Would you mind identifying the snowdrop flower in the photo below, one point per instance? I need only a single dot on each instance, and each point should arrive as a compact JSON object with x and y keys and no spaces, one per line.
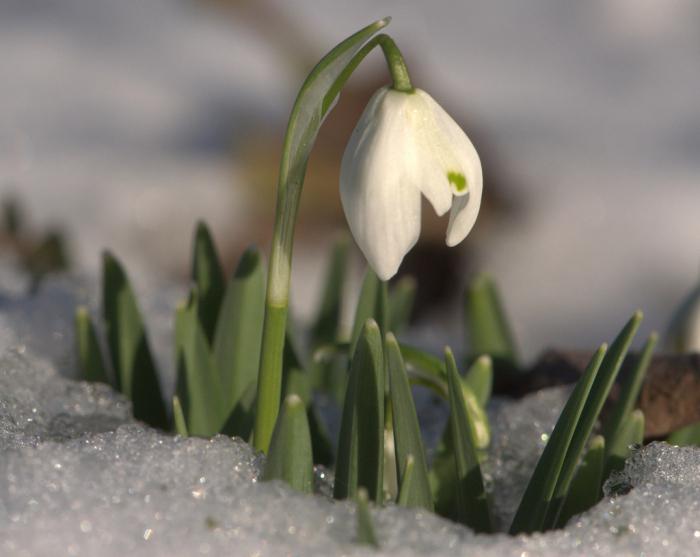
{"x":406,"y":145}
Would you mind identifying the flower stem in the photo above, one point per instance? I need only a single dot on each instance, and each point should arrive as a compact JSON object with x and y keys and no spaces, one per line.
{"x":291,"y":180}
{"x":396,"y":63}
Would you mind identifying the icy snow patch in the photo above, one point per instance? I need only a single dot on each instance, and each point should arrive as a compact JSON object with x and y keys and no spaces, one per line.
{"x":79,"y":477}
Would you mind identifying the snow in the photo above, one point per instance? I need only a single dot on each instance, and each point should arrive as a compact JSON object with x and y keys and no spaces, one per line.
{"x":117,"y":120}
{"x":78,"y":476}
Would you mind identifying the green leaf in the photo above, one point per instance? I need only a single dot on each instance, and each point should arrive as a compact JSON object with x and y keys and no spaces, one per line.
{"x":135,"y":371}
{"x":240,"y":421}
{"x":316,"y":98}
{"x":473,"y":505}
{"x":365,"y":529}
{"x":425,"y":369}
{"x":630,"y":433}
{"x":372,"y":304}
{"x":360,"y":460}
{"x":609,"y":369}
{"x":488,"y":328}
{"x":479,"y":379}
{"x":443,"y":477}
{"x":532,"y":512}
{"x":629,"y":393}
{"x":443,"y":474}
{"x":328,"y":371}
{"x":686,"y":436}
{"x":239,"y":328}
{"x":407,"y":490}
{"x":401,"y":299}
{"x":329,"y":374}
{"x":407,"y":435}
{"x":296,"y":381}
{"x":91,"y":366}
{"x":198,"y":384}
{"x":179,"y":418}
{"x":587,"y":483}
{"x":326,"y":326}
{"x":428,"y":371}
{"x":208,"y":276}
{"x":289,"y":458}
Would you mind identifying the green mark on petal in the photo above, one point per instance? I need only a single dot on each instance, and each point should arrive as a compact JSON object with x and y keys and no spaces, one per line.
{"x":458,"y":180}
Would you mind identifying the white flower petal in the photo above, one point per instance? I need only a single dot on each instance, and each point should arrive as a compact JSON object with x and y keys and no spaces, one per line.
{"x":454,"y":149}
{"x":428,"y":168}
{"x":405,"y":144}
{"x":381,"y":204}
{"x":463,"y":215}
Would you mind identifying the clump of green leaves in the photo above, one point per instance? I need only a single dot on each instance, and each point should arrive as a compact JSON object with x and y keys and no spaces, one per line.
{"x":371,"y":374}
{"x":231,"y":342}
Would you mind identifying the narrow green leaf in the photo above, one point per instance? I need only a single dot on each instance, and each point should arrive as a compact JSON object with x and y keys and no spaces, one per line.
{"x":326,"y":326}
{"x":473,"y":504}
{"x":289,"y":458}
{"x":91,"y":366}
{"x":443,"y":477}
{"x":686,"y":436}
{"x":208,"y":276}
{"x":534,"y":506}
{"x":198,"y":383}
{"x":360,"y":461}
{"x":587,"y":483}
{"x":407,"y":490}
{"x":365,"y":529}
{"x":425,"y":369}
{"x":401,"y":299}
{"x":329,"y":374}
{"x":239,"y":328}
{"x":296,"y":381}
{"x":630,"y":433}
{"x":428,"y":371}
{"x":135,"y":370}
{"x":240,"y":421}
{"x":629,"y":393}
{"x":479,"y":379}
{"x":609,"y":369}
{"x":372,"y":304}
{"x":316,"y":98}
{"x":179,"y":418}
{"x":328,"y":371}
{"x":488,"y":328}
{"x":407,"y":435}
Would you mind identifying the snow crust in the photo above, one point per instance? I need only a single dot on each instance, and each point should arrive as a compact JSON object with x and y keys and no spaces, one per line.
{"x":78,"y":476}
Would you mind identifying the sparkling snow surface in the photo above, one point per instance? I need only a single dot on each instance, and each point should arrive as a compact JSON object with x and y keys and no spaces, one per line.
{"x":79,"y":477}
{"x":118,"y":119}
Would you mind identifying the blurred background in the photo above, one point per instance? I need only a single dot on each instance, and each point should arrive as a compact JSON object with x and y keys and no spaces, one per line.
{"x":122,"y":123}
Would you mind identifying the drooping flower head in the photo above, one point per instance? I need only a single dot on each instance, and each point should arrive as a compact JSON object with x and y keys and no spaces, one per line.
{"x":404,"y":146}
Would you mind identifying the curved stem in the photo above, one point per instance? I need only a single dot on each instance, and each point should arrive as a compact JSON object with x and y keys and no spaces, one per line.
{"x":297,"y":146}
{"x":396,"y":63}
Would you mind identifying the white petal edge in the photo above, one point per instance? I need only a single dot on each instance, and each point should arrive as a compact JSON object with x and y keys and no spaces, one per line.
{"x":463,"y":215}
